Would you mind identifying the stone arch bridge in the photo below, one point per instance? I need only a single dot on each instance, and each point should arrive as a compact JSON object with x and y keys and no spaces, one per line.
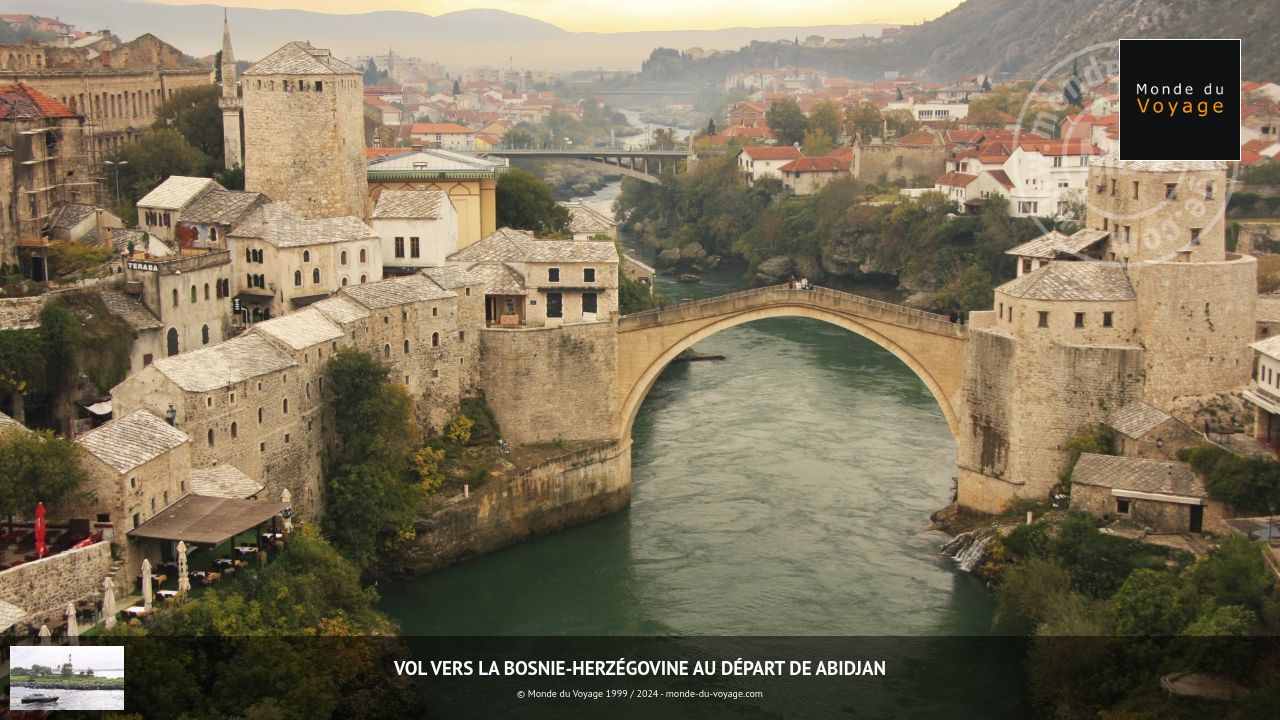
{"x":931,"y":345}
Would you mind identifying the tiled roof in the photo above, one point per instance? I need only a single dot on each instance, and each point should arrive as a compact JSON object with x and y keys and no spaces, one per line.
{"x":1001,"y":177}
{"x":1086,"y":280}
{"x":1053,"y":243}
{"x":300,"y":58}
{"x":825,"y":163}
{"x":68,"y":215}
{"x":451,"y":277}
{"x":280,"y":225}
{"x":1267,"y":308}
{"x":222,"y":207}
{"x":226,"y":363}
{"x":1114,"y":161}
{"x":507,"y":245}
{"x":440,"y":129}
{"x":956,"y":179}
{"x":771,"y":152}
{"x":632,"y":261}
{"x":127,"y":442}
{"x":434,"y":160}
{"x":300,"y":330}
{"x":919,"y":138}
{"x":1137,"y":419}
{"x":397,"y":291}
{"x":414,"y":204}
{"x":499,"y":279}
{"x":586,"y":219}
{"x":1269,"y":347}
{"x":1138,"y":475}
{"x":129,"y":309}
{"x":223,"y":481}
{"x":175,"y":192}
{"x":23,"y":101}
{"x":121,"y":237}
{"x":341,"y":309}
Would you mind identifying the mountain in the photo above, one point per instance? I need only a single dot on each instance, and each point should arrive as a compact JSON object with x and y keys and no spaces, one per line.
{"x":460,"y":39}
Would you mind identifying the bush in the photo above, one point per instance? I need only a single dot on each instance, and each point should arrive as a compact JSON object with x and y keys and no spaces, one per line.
{"x":1248,"y":484}
{"x":484,"y":426}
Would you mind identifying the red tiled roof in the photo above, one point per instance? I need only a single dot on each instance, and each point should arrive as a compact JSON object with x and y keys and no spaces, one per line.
{"x":824,"y":163}
{"x":956,"y":179}
{"x":383,"y":152}
{"x":770,"y":152}
{"x":1064,"y":147}
{"x":1001,"y":177}
{"x":440,"y":128}
{"x":918,"y":138}
{"x":20,"y":100}
{"x":1251,"y":152}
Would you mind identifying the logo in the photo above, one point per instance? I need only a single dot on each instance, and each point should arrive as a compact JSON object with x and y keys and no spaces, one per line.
{"x":1180,"y":99}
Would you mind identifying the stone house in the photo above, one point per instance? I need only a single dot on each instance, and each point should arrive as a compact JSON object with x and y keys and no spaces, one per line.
{"x":148,"y":331}
{"x":639,"y":272}
{"x":160,"y":210}
{"x":1267,"y":316}
{"x":470,"y":182}
{"x":1146,"y":431}
{"x":190,"y":296}
{"x":1165,"y":496}
{"x":1263,"y":392}
{"x":535,"y":283}
{"x":80,"y":223}
{"x":290,"y":261}
{"x":443,"y":135}
{"x":419,"y":229}
{"x":585,"y":222}
{"x":920,"y":154}
{"x":1053,"y":245}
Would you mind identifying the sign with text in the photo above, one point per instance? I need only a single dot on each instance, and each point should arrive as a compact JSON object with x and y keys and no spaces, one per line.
{"x":1180,"y":99}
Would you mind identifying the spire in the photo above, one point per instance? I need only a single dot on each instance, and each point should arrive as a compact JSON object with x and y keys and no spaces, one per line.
{"x":227,"y":55}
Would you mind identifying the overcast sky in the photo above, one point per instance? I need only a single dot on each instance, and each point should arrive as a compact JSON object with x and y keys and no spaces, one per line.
{"x":99,"y":658}
{"x":625,"y":15}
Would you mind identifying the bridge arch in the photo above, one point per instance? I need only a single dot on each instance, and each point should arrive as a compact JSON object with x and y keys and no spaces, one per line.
{"x":930,"y":345}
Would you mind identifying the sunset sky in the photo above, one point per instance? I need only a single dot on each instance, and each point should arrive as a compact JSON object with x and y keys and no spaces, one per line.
{"x":623,"y":15}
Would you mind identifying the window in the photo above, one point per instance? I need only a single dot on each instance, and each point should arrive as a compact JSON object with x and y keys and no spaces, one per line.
{"x":148,"y":359}
{"x":1208,"y":191}
{"x":1170,"y":191}
{"x":259,"y":416}
{"x":286,"y":438}
{"x":399,"y":247}
{"x":234,"y":431}
{"x":364,"y":279}
{"x":206,"y":291}
{"x":175,"y":297}
{"x":435,"y":312}
{"x":342,"y":257}
{"x":210,"y":437}
{"x":1026,"y":265}
{"x":1001,"y":311}
{"x":553,"y":274}
{"x":315,"y":276}
{"x":1044,"y":318}
{"x":589,"y":302}
{"x":1113,"y":188}
{"x":319,"y":86}
{"x":1079,"y":319}
{"x":406,"y":347}
{"x":1195,"y":236}
{"x":1027,"y":207}
{"x":204,"y":335}
{"x":1107,"y":319}
{"x":193,"y":293}
{"x":306,"y":256}
{"x":1135,"y":189}
{"x":1057,"y":161}
{"x":1126,"y":233}
{"x":362,"y":257}
{"x":555,"y":305}
{"x":386,"y":351}
{"x":137,"y":519}
{"x":435,"y":373}
{"x":172,"y":341}
{"x":462,"y":335}
{"x":285,"y":405}
{"x":1122,"y":506}
{"x":414,"y":248}
{"x":589,"y":275}
{"x":344,"y":281}
{"x":297,"y":278}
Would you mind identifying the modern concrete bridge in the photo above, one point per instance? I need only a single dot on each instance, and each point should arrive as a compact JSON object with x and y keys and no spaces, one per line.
{"x":646,"y":165}
{"x":931,"y":345}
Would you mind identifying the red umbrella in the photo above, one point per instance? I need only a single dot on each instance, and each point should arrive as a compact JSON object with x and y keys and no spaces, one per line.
{"x":41,"y":548}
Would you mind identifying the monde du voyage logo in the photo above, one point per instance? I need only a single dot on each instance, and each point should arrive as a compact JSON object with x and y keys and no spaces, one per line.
{"x":1180,"y":99}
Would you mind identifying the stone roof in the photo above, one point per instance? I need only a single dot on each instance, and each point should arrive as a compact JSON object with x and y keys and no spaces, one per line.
{"x":507,"y":245}
{"x":341,"y":309}
{"x":222,"y":207}
{"x":1269,"y":347}
{"x":8,"y":423}
{"x":1138,"y":475}
{"x":585,"y":219}
{"x":631,"y":260}
{"x":1113,"y":161}
{"x":127,"y":442}
{"x":217,"y":366}
{"x":300,"y":58}
{"x":410,"y":204}
{"x":1267,"y":308}
{"x":1086,"y":280}
{"x":69,"y":215}
{"x":129,"y":309}
{"x":223,"y":481}
{"x":175,"y":192}
{"x":397,"y":291}
{"x":121,"y":237}
{"x":1054,"y":243}
{"x":499,"y":279}
{"x":451,"y":277}
{"x":282,"y":226}
{"x":1137,"y":419}
{"x":301,"y":329}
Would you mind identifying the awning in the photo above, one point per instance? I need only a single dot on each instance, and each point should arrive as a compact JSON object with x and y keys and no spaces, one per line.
{"x":1261,"y":401}
{"x":301,"y":302}
{"x":207,"y":520}
{"x":99,"y":408}
{"x":255,"y":298}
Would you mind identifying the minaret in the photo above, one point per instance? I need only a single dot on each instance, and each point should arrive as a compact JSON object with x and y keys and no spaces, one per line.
{"x":232,"y":145}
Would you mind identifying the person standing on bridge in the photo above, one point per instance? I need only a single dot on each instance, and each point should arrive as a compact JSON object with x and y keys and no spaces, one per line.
{"x":804,"y":284}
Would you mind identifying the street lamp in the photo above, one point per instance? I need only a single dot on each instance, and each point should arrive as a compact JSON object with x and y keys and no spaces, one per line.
{"x":115,"y":167}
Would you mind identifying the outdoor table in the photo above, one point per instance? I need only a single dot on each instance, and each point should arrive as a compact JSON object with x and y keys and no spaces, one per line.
{"x":135,"y":611}
{"x":246,"y":550}
{"x":166,"y":594}
{"x":224,"y":562}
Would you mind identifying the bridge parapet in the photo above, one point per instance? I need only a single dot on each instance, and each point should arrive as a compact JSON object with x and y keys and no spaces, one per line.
{"x":818,"y":297}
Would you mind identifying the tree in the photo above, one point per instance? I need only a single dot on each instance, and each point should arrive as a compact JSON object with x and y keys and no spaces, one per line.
{"x":818,"y":142}
{"x":37,"y":466}
{"x":1150,"y":602}
{"x":1248,"y":484}
{"x":787,"y":122}
{"x":863,"y":120}
{"x":901,"y":122}
{"x":664,"y":139}
{"x":1027,"y":593}
{"x":711,"y":126}
{"x":194,"y":113}
{"x":526,"y":203}
{"x":984,"y":113}
{"x":825,"y":116}
{"x":1073,"y":91}
{"x":153,"y":158}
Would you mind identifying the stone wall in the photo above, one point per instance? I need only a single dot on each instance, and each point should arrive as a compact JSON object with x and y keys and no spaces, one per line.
{"x":568,"y":490}
{"x":1258,"y":237}
{"x":550,"y":384}
{"x":898,"y":162}
{"x":1161,"y":517}
{"x":44,"y":587}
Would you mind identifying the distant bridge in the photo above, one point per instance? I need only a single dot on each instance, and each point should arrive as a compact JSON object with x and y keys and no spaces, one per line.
{"x":646,"y":165}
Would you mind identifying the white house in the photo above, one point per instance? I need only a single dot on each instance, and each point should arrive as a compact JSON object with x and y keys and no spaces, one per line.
{"x":419,"y":229}
{"x":446,"y":135}
{"x":761,"y":161}
{"x":927,"y":111}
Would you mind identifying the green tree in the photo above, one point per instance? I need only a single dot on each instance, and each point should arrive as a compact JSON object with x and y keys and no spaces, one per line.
{"x":818,"y":142}
{"x":1027,"y":593}
{"x":711,"y":126}
{"x":194,"y":113}
{"x":901,"y":122}
{"x":863,"y":120}
{"x":1248,"y":484}
{"x":37,"y":466}
{"x":825,"y":116}
{"x":526,"y":203}
{"x":1234,"y":573}
{"x":153,"y":158}
{"x":1150,"y":602}
{"x":787,"y":122}
{"x":664,"y":139}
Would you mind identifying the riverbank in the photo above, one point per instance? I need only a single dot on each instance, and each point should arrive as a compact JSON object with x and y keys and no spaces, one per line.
{"x":70,"y":684}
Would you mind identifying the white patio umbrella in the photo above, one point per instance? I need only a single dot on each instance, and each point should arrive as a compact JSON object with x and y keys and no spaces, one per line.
{"x":146,"y":585}
{"x":287,"y":499}
{"x":184,"y":582}
{"x":45,"y":635}
{"x":108,"y":603}
{"x":73,"y":627}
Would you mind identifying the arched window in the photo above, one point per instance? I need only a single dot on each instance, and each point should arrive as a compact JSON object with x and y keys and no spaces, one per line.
{"x":364,"y":279}
{"x":435,"y":339}
{"x":315,"y":276}
{"x":206,"y":291}
{"x":204,"y":335}
{"x":259,"y":416}
{"x":175,"y":297}
{"x":386,"y":351}
{"x":213,"y":234}
{"x":173,"y":340}
{"x":234,"y":431}
{"x":342,"y":257}
{"x":285,"y":405}
{"x":193,"y":293}
{"x":362,"y":257}
{"x":297,"y":277}
{"x":406,"y":347}
{"x":344,"y":282}
{"x":306,"y":256}
{"x":210,"y":437}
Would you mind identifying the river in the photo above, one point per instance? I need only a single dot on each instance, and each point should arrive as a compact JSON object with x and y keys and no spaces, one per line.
{"x":785,"y":490}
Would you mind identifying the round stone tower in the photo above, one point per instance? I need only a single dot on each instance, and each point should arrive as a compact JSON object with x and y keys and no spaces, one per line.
{"x":304,"y":131}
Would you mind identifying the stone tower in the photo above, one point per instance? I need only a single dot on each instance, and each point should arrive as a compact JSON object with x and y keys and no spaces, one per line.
{"x":304,"y":132}
{"x":232,"y":142}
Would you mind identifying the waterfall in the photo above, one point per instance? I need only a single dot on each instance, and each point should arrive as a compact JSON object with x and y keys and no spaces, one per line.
{"x":969,"y":548}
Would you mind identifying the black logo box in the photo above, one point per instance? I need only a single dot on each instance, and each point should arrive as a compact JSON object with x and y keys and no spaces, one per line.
{"x":1194,"y":65}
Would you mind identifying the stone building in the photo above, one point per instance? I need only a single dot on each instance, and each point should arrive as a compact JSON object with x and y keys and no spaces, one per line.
{"x":920,"y":154}
{"x":160,"y":210}
{"x":1263,"y":392}
{"x":188,"y":295}
{"x":1146,"y":431}
{"x":585,"y":222}
{"x":419,"y":229}
{"x":304,"y":132}
{"x":229,"y":102}
{"x":1165,"y":496}
{"x":808,"y":175}
{"x":1164,"y":317}
{"x":194,"y":213}
{"x":43,"y":163}
{"x":470,"y":182}
{"x":536,"y":283}
{"x":285,"y":261}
